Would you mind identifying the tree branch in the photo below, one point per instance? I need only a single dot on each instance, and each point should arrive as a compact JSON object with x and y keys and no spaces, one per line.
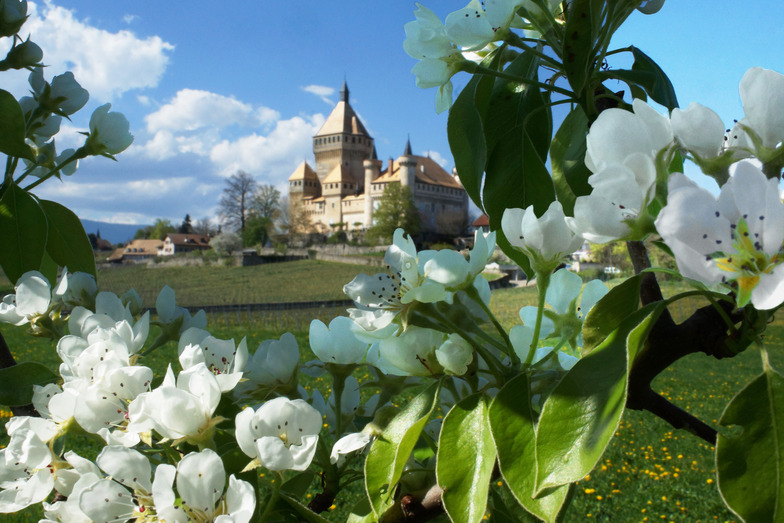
{"x":412,"y":509}
{"x":704,"y":331}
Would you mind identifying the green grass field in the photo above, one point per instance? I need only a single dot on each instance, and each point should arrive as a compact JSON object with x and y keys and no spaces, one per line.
{"x":650,"y":472}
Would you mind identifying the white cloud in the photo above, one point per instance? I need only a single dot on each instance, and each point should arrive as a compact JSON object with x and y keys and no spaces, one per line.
{"x":129,"y":18}
{"x":106,"y":64}
{"x":273,"y":156}
{"x":193,"y":109}
{"x":322,"y":91}
{"x":438,"y":158}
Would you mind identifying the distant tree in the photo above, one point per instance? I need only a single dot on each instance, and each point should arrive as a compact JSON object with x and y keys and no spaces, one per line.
{"x":281,"y":221}
{"x":143,"y":233}
{"x":257,"y":230}
{"x":93,"y":240}
{"x":161,"y":228}
{"x":204,"y":226}
{"x":235,"y":204}
{"x":225,"y":243}
{"x":396,"y":209}
{"x":156,"y":231}
{"x":266,"y":201}
{"x":186,"y":227}
{"x":611,"y":254}
{"x":299,"y":221}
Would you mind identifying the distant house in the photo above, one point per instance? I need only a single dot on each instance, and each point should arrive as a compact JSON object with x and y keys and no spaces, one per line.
{"x":483,"y":222}
{"x":176,"y":243}
{"x":137,"y":250}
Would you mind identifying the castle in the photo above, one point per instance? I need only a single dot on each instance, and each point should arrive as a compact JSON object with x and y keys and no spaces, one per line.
{"x":348,"y":181}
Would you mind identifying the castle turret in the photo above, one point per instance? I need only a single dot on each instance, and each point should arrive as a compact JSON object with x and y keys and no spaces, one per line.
{"x":372,"y":171}
{"x":407,"y":163}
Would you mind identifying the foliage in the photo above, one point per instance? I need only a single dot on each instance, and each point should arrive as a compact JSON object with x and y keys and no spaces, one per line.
{"x":396,"y":210}
{"x":266,"y":201}
{"x":463,"y":415}
{"x":612,"y":254}
{"x":186,"y":227}
{"x":257,"y":230}
{"x":156,"y":231}
{"x":226,"y":243}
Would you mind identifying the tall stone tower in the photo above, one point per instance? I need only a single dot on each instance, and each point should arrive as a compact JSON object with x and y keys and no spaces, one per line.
{"x":343,"y":141}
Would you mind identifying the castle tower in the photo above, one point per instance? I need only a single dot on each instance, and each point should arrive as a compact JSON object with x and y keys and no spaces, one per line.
{"x":372,"y":171}
{"x":342,"y":141}
{"x":407,"y":163}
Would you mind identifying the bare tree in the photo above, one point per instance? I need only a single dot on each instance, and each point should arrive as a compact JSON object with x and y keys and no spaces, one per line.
{"x":266,"y":201}
{"x":204,"y":226}
{"x":293,"y":217}
{"x":236,"y":200}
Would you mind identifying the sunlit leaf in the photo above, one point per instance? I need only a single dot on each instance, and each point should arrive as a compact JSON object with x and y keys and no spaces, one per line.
{"x":513,"y":427}
{"x":581,"y":415}
{"x":465,"y":460}
{"x":390,"y":451}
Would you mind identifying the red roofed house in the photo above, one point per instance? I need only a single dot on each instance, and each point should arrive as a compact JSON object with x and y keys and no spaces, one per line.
{"x":176,"y":243}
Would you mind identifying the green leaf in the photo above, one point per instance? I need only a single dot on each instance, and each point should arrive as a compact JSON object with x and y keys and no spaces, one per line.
{"x":16,"y":382}
{"x":67,"y":242}
{"x":608,"y":313}
{"x":388,"y":454}
{"x":583,"y":23}
{"x":302,"y":511}
{"x":567,"y":157}
{"x":647,"y":74}
{"x":23,"y":233}
{"x":504,"y":507}
{"x":750,"y":459}
{"x":581,"y":415}
{"x":299,"y":484}
{"x":513,"y":427}
{"x":466,"y":136}
{"x":518,"y":133}
{"x":12,"y":122}
{"x":361,"y":512}
{"x":465,"y":459}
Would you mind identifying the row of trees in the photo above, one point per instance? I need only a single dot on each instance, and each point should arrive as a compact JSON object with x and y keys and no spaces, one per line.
{"x":258,"y":211}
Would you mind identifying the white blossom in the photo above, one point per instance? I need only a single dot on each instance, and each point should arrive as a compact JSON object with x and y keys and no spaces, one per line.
{"x":734,"y":239}
{"x":282,"y":434}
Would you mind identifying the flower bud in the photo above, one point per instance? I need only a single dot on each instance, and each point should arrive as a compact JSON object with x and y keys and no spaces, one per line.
{"x":13,"y":14}
{"x":109,"y":133}
{"x":26,"y":54}
{"x":67,"y":94}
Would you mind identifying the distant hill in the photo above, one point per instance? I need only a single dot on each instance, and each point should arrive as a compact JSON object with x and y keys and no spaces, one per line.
{"x":114,"y":232}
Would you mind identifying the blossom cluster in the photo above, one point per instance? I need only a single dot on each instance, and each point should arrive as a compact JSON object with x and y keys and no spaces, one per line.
{"x":107,"y":392}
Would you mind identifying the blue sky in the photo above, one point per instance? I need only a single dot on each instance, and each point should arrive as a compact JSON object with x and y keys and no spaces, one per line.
{"x":213,"y":87}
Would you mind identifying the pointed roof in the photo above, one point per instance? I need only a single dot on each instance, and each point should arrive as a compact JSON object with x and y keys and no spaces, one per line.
{"x":343,"y":119}
{"x":303,"y":172}
{"x":339,"y":174}
{"x":344,"y":92}
{"x":407,"y":152}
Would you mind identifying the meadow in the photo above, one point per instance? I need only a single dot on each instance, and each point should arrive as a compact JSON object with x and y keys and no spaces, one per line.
{"x":650,"y":472}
